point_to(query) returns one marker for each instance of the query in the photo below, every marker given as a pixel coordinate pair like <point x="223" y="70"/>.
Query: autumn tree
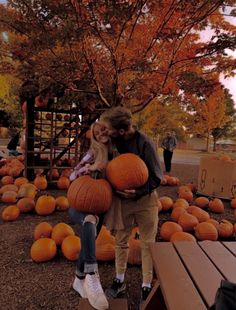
<point x="227" y="129"/>
<point x="128" y="52"/>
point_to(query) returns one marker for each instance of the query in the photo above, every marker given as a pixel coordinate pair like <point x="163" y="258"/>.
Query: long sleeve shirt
<point x="169" y="143"/>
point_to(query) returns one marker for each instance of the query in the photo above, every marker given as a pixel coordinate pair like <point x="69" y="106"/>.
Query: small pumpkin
<point x="9" y="197"/>
<point x="7" y="180"/>
<point x="26" y="205"/>
<point x="180" y="202"/>
<point x="225" y="229"/>
<point x="206" y="231"/>
<point x="41" y="182"/>
<point x="216" y="205"/>
<point x="166" y="203"/>
<point x="63" y="182"/>
<point x="27" y="190"/>
<point x="42" y="230"/>
<point x="201" y="202"/>
<point x="43" y="250"/>
<point x="127" y="171"/>
<point x="105" y="252"/>
<point x="20" y="181"/>
<point x="45" y="205"/>
<point x="182" y="236"/>
<point x="62" y="203"/>
<point x="187" y="221"/>
<point x="176" y="212"/>
<point x="168" y="229"/>
<point x="60" y="231"/>
<point x="10" y="213"/>
<point x="71" y="247"/>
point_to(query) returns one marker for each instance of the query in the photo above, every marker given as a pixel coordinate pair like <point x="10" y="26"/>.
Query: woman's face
<point x="100" y="133"/>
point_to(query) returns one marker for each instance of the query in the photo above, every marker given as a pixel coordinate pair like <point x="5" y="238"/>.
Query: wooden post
<point x="29" y="139"/>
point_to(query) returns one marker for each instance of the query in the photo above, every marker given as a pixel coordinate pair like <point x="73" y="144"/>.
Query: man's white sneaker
<point x="78" y="286"/>
<point x="95" y="293"/>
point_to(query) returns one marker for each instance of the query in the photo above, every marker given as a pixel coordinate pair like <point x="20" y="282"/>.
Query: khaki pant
<point x="144" y="213"/>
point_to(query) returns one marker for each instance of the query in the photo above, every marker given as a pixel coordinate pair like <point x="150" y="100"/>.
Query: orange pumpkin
<point x="105" y="237"/>
<point x="201" y="215"/>
<point x="105" y="252"/>
<point x="41" y="182"/>
<point x="8" y="187"/>
<point x="90" y="195"/>
<point x="182" y="236"/>
<point x="166" y="203"/>
<point x="216" y="205"/>
<point x="10" y="213"/>
<point x="134" y="256"/>
<point x="60" y="231"/>
<point x="20" y="181"/>
<point x="201" y="202"/>
<point x="26" y="205"/>
<point x="187" y="195"/>
<point x="168" y="229"/>
<point x="187" y="221"/>
<point x="225" y="229"/>
<point x="63" y="183"/>
<point x="45" y="205"/>
<point x="43" y="250"/>
<point x="62" y="203"/>
<point x="42" y="230"/>
<point x="233" y="203"/>
<point x="9" y="197"/>
<point x="71" y="247"/>
<point x="127" y="171"/>
<point x="27" y="190"/>
<point x="206" y="231"/>
<point x="181" y="202"/>
<point x="176" y="212"/>
<point x="7" y="180"/>
<point x="214" y="222"/>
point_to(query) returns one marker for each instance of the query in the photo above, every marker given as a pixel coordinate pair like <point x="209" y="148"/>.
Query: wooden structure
<point x="189" y="273"/>
<point x="55" y="136"/>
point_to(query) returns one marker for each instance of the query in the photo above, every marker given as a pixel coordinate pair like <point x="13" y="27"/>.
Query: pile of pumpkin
<point x="190" y="219"/>
<point x="25" y="197"/>
<point x="48" y="240"/>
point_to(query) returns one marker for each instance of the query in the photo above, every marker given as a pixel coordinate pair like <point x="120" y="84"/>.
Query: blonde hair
<point x="118" y="117"/>
<point x="99" y="149"/>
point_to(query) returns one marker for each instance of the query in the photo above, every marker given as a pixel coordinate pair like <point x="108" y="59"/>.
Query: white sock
<point x="146" y="284"/>
<point x="120" y="276"/>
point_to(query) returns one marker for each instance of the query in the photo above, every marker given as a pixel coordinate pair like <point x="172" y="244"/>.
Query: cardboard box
<point x="217" y="178"/>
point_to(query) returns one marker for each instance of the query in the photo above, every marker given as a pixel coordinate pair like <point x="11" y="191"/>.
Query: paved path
<point x="184" y="157"/>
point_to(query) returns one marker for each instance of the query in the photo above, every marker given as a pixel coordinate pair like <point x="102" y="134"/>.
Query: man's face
<point x="111" y="131"/>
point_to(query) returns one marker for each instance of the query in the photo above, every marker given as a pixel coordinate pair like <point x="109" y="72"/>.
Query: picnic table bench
<point x="189" y="273"/>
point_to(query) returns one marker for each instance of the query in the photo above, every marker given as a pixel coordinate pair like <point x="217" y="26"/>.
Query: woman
<point x="87" y="281"/>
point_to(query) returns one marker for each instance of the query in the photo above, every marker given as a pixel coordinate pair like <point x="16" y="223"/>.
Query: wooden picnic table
<point x="189" y="273"/>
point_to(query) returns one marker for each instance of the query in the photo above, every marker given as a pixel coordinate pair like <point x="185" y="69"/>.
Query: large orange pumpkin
<point x="90" y="195"/>
<point x="127" y="171"/>
<point x="43" y="250"/>
<point x="206" y="231"/>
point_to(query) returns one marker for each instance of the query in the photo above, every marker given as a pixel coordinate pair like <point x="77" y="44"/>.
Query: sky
<point x="229" y="83"/>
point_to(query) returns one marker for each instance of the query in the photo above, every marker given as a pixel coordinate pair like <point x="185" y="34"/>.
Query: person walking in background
<point x="12" y="145"/>
<point x="138" y="206"/>
<point x="168" y="144"/>
<point x="87" y="281"/>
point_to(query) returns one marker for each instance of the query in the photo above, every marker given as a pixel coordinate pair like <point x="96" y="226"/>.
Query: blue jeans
<point x="87" y="261"/>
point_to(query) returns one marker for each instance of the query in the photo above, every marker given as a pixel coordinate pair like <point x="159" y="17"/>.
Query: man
<point x="139" y="206"/>
<point x="168" y="144"/>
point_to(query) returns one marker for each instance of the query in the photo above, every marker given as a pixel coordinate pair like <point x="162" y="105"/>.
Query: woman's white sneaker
<point x="95" y="293"/>
<point x="78" y="286"/>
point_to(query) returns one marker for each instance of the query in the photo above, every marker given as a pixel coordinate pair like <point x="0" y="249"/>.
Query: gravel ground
<point x="28" y="285"/>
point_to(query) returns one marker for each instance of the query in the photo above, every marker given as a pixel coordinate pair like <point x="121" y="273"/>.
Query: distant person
<point x="168" y="144"/>
<point x="12" y="145"/>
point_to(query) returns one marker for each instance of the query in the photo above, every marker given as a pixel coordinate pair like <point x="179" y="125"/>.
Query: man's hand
<point x="127" y="193"/>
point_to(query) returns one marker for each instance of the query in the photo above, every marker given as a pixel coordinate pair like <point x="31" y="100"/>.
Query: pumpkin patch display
<point x="90" y="195"/>
<point x="127" y="171"/>
<point x="43" y="250"/>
